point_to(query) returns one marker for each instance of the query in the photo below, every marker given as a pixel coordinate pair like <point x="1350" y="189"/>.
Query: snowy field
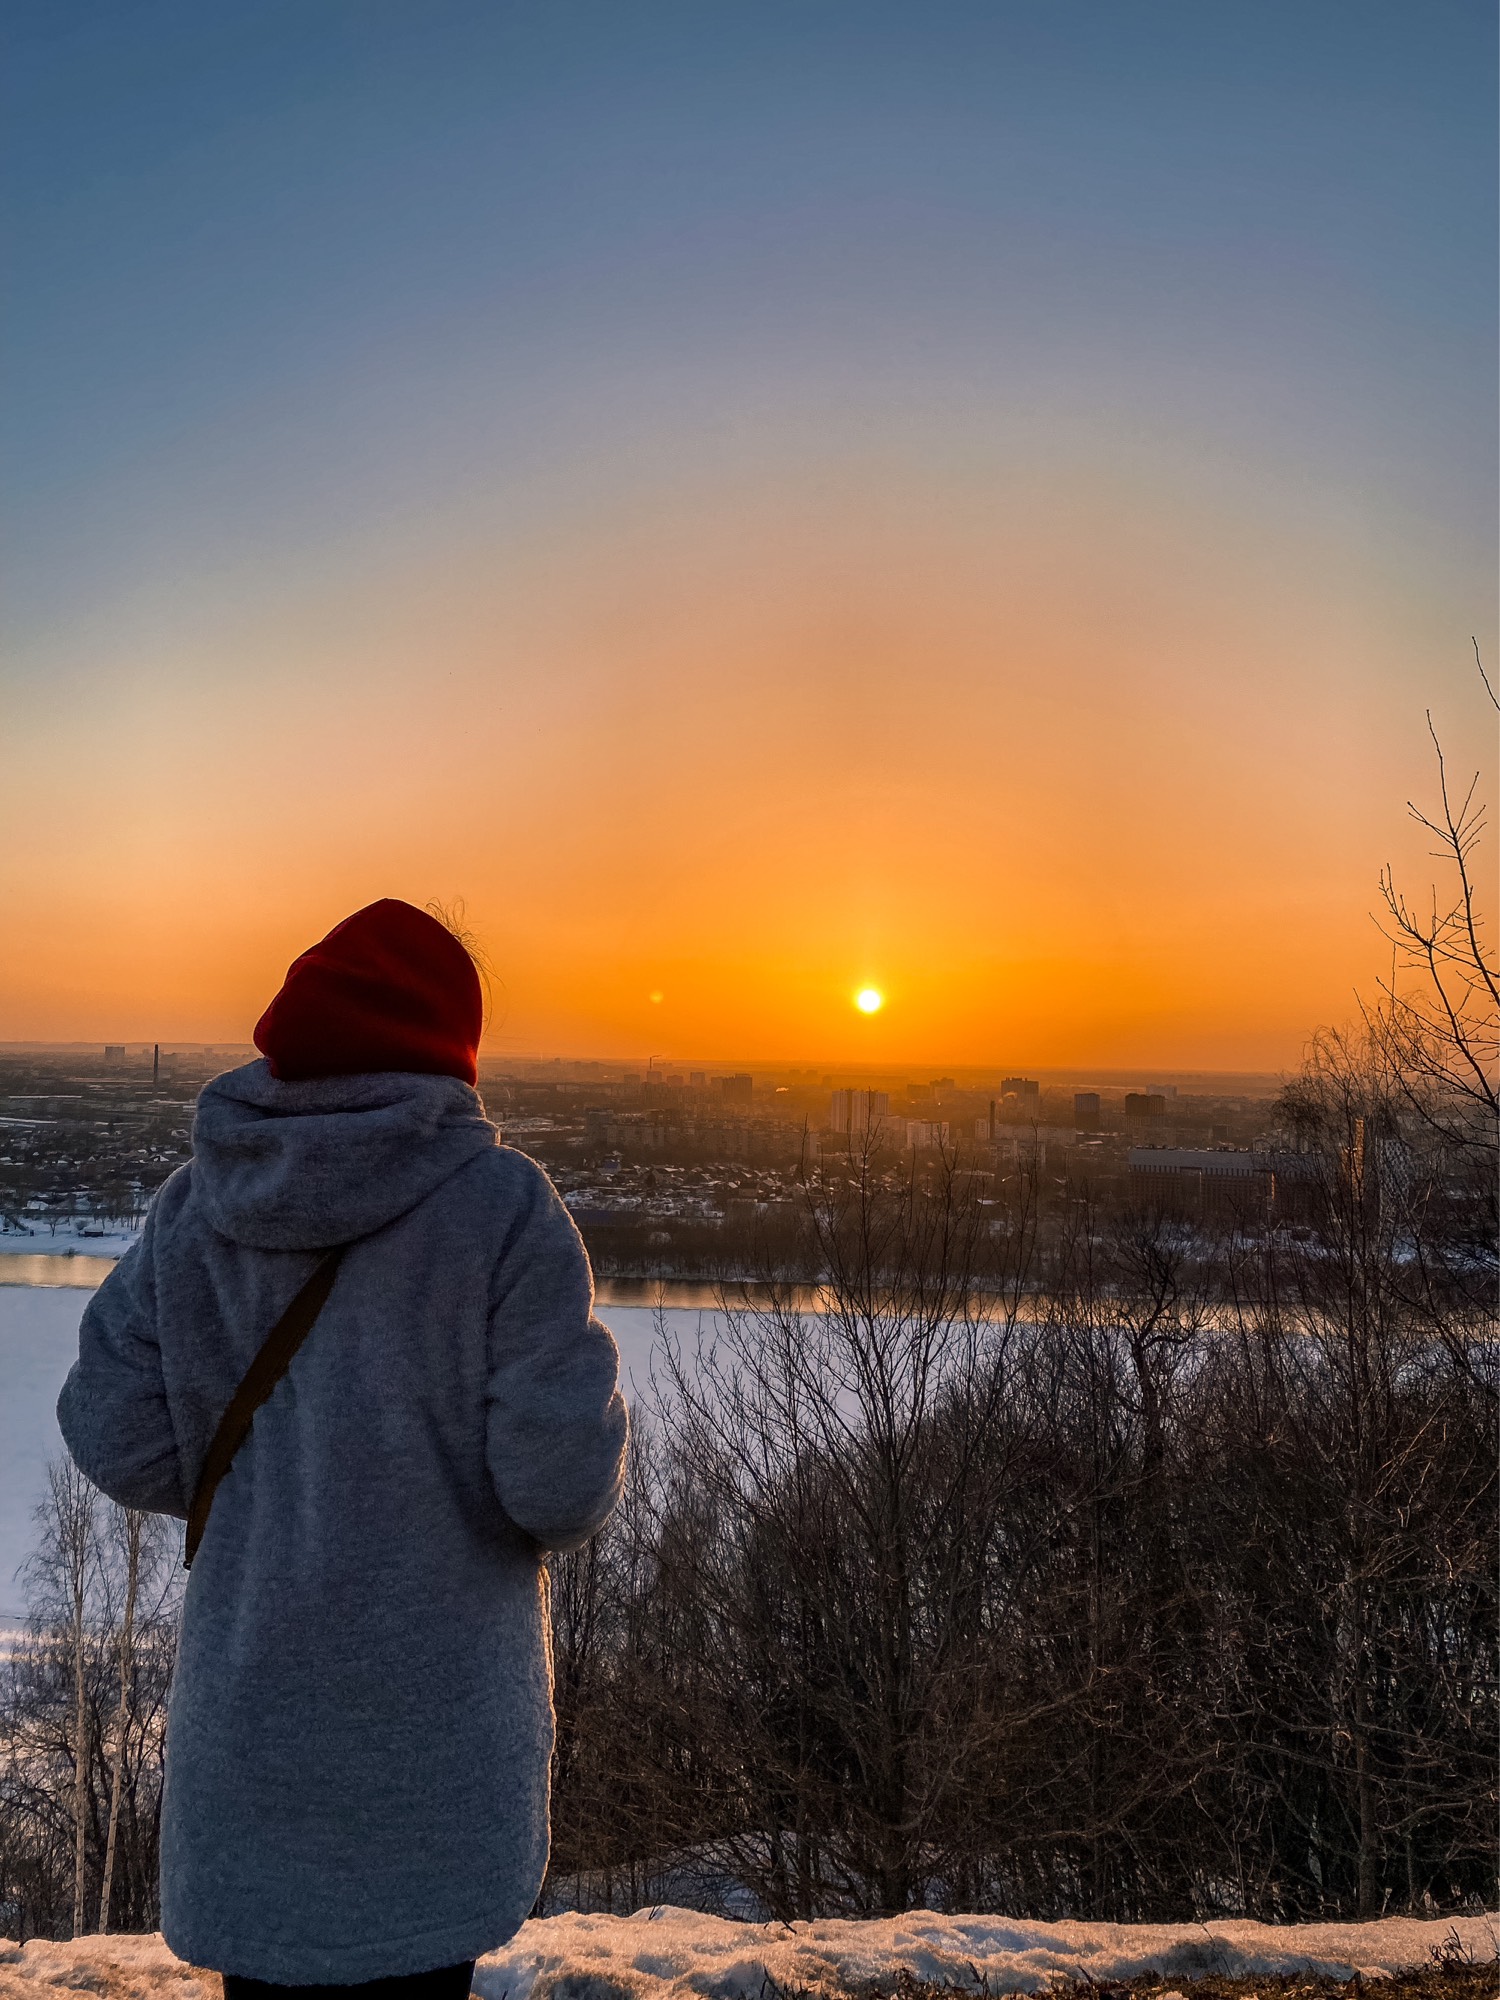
<point x="38" y="1341"/>
<point x="670" y="1954"/>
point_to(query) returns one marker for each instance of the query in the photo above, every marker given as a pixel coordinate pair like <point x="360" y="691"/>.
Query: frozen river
<point x="38" y="1340"/>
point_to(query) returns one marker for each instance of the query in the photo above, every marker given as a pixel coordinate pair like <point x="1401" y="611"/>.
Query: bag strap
<point x="276" y="1353"/>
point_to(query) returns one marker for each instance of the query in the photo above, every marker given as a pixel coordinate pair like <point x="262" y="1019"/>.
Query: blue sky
<point x="253" y="218"/>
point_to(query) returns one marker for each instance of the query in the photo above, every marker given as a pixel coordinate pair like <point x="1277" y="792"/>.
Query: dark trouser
<point x="449" y="1982"/>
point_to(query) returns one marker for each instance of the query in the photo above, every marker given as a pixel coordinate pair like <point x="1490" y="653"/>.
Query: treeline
<point x="1035" y="1577"/>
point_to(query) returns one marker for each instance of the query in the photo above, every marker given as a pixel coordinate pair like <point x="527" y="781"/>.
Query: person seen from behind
<point x="360" y="1728"/>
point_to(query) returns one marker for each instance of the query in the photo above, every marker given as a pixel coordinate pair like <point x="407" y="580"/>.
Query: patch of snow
<point x="119" y="1968"/>
<point x="671" y="1954"/>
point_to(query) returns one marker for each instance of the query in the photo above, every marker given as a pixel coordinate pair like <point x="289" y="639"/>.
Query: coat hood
<point x="302" y="1166"/>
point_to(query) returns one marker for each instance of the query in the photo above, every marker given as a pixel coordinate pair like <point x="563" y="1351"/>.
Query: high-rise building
<point x="738" y="1089"/>
<point x="1086" y="1111"/>
<point x="1145" y="1113"/>
<point x="857" y="1111"/>
<point x="1020" y="1098"/>
<point x="923" y="1134"/>
<point x="1024" y="1146"/>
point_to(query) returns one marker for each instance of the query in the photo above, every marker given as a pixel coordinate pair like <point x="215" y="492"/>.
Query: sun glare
<point x="868" y="1000"/>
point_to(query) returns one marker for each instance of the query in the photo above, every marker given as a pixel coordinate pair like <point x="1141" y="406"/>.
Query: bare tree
<point x="1155" y="1586"/>
<point x="830" y="1491"/>
<point x="67" y="1560"/>
<point x="94" y="1676"/>
<point x="131" y="1524"/>
<point x="1444" y="1031"/>
<point x="1436" y="1031"/>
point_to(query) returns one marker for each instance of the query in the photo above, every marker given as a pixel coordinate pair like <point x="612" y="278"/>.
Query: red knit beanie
<point x="388" y="988"/>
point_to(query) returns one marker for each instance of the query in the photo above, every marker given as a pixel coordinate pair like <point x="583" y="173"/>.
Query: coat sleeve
<point x="556" y="1423"/>
<point x="113" y="1408"/>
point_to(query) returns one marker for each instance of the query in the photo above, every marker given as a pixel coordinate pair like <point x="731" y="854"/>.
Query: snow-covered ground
<point x="38" y="1341"/>
<point x="671" y="1954"/>
<point x="123" y="1968"/>
<point x="73" y="1237"/>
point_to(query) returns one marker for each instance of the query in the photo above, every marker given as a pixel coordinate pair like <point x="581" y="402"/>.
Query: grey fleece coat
<point x="360" y="1728"/>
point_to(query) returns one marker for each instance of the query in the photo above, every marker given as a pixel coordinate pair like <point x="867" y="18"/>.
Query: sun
<point x="869" y="1000"/>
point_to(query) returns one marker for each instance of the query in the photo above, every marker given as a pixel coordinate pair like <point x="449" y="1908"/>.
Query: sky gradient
<point x="756" y="501"/>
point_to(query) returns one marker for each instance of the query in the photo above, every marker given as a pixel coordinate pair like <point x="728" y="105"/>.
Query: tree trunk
<point x="134" y="1522"/>
<point x="1365" y="1804"/>
<point x="80" y="1739"/>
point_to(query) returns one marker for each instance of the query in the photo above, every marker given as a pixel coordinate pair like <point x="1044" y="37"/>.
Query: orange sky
<point x="1088" y="765"/>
